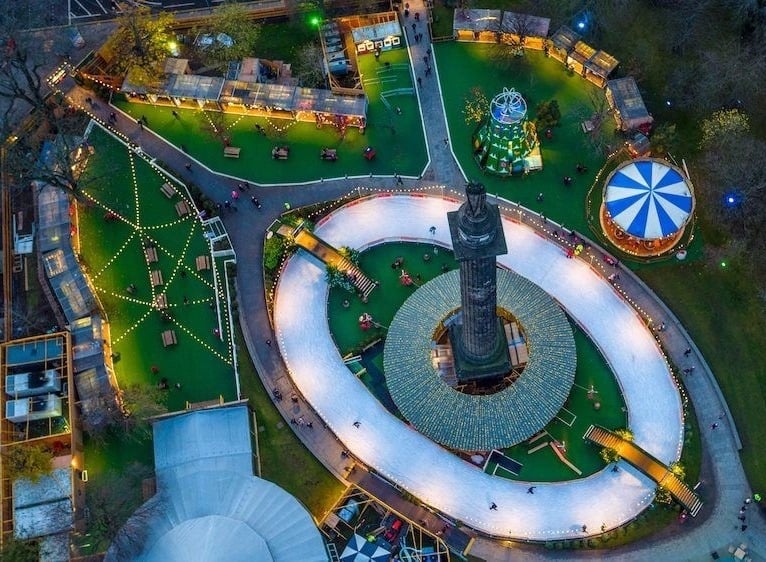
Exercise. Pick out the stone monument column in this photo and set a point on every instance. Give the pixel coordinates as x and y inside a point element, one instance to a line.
<point>479,345</point>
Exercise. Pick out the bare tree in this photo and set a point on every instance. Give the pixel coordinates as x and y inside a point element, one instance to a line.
<point>309,66</point>
<point>241,34</point>
<point>111,500</point>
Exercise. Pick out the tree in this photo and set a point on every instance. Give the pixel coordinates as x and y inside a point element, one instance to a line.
<point>16,550</point>
<point>139,402</point>
<point>232,20</point>
<point>214,124</point>
<point>112,497</point>
<point>141,44</point>
<point>309,66</point>
<point>548,114</point>
<point>609,455</point>
<point>22,85</point>
<point>725,126</point>
<point>663,139</point>
<point>26,461</point>
<point>350,254</point>
<point>273,250</point>
<point>476,106</point>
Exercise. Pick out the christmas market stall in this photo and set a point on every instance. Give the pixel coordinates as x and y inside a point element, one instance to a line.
<point>599,67</point>
<point>562,43</point>
<point>378,37</point>
<point>627,104</point>
<point>477,25</point>
<point>530,32</point>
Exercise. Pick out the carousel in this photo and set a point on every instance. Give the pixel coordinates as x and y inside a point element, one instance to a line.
<point>647,204</point>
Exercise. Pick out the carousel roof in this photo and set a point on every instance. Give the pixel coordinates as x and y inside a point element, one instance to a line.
<point>360,550</point>
<point>648,199</point>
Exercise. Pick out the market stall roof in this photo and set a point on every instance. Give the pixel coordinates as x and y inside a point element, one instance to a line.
<point>602,64</point>
<point>486,422</point>
<point>531,26</point>
<point>53,222</point>
<point>648,199</point>
<point>476,20</point>
<point>359,549</point>
<point>582,52</point>
<point>377,31</point>
<point>565,38</point>
<point>291,98</point>
<point>43,507</point>
<point>209,506</point>
<point>624,96</point>
<point>193,86</point>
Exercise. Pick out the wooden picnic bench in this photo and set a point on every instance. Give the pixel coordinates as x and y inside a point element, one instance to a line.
<point>231,151</point>
<point>168,190</point>
<point>182,208</point>
<point>203,262</point>
<point>151,254</point>
<point>161,301</point>
<point>169,338</point>
<point>156,277</point>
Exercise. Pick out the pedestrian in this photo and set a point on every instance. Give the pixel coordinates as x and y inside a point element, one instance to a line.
<point>414,25</point>
<point>268,342</point>
<point>254,199</point>
<point>420,81</point>
<point>155,369</point>
<point>540,197</point>
<point>493,506</point>
<point>175,114</point>
<point>217,332</point>
<point>241,186</point>
<point>714,426</point>
<point>531,489</point>
<point>188,166</point>
<point>178,385</point>
<point>425,59</point>
<point>428,71</point>
<point>584,528</point>
<point>399,180</point>
<point>428,52</point>
<point>687,352</point>
<point>310,425</point>
<point>417,16</point>
<point>234,194</point>
<point>144,119</point>
<point>227,204</point>
<point>141,125</point>
<point>748,501</point>
<point>186,300</point>
<point>446,142</point>
<point>357,424</point>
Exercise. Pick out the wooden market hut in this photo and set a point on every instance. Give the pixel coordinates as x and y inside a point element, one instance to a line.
<point>599,67</point>
<point>477,25</point>
<point>523,29</point>
<point>562,43</point>
<point>579,56</point>
<point>382,36</point>
<point>625,100</point>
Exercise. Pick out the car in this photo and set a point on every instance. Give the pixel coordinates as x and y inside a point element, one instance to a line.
<point>393,531</point>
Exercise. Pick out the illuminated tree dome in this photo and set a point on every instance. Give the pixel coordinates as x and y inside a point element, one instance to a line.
<point>507,141</point>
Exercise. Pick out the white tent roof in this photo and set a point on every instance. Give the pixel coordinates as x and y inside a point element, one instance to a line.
<point>423,468</point>
<point>209,506</point>
<point>359,549</point>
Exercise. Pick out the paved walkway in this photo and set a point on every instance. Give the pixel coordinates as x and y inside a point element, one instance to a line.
<point>725,488</point>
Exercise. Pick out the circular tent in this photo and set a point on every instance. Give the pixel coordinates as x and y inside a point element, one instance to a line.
<point>471,422</point>
<point>648,199</point>
<point>360,550</point>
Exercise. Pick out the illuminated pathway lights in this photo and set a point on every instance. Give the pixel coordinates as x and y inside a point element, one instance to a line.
<point>440,479</point>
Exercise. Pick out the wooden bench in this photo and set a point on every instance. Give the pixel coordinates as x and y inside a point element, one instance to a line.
<point>182,208</point>
<point>231,152</point>
<point>168,190</point>
<point>203,262</point>
<point>151,254</point>
<point>156,277</point>
<point>169,338</point>
<point>161,301</point>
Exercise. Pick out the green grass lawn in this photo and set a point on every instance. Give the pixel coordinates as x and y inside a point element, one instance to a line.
<point>397,139</point>
<point>463,66</point>
<point>386,300</point>
<point>113,254</point>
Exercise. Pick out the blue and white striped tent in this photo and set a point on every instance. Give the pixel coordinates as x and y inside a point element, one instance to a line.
<point>648,199</point>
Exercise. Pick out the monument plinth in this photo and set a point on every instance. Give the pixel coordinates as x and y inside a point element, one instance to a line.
<point>479,346</point>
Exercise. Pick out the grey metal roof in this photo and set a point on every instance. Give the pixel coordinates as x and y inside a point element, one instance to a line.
<point>477,20</point>
<point>480,423</point>
<point>209,506</point>
<point>565,38</point>
<point>627,100</point>
<point>43,507</point>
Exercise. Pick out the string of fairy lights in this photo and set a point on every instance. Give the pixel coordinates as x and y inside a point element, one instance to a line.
<point>141,230</point>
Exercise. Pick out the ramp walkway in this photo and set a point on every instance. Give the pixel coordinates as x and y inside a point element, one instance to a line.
<point>329,255</point>
<point>647,464</point>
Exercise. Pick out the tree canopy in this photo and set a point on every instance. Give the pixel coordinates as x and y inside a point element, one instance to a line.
<point>27,461</point>
<point>232,20</point>
<point>141,44</point>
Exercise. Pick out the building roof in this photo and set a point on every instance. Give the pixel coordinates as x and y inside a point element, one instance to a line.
<point>477,20</point>
<point>602,63</point>
<point>209,506</point>
<point>176,66</point>
<point>531,26</point>
<point>377,31</point>
<point>582,52</point>
<point>624,96</point>
<point>193,86</point>
<point>43,507</point>
<point>565,38</point>
<point>490,421</point>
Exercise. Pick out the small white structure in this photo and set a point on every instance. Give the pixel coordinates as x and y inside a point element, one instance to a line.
<point>209,506</point>
<point>33,408</point>
<point>33,384</point>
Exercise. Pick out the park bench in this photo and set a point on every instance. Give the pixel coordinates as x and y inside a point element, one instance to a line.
<point>156,277</point>
<point>203,262</point>
<point>161,301</point>
<point>151,254</point>
<point>168,190</point>
<point>231,152</point>
<point>182,208</point>
<point>169,338</point>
